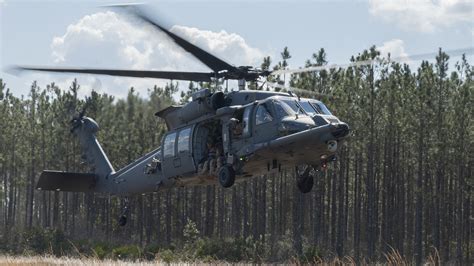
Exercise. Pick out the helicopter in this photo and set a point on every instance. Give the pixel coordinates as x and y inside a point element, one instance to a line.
<point>215,138</point>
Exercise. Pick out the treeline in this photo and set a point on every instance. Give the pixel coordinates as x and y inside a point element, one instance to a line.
<point>402,184</point>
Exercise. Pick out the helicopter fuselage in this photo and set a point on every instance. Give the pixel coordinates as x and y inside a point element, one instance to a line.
<point>251,132</point>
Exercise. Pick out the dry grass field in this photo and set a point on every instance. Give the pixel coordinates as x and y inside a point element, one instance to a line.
<point>66,261</point>
<point>51,260</point>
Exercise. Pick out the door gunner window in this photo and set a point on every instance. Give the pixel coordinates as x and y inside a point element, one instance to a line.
<point>168,149</point>
<point>183,140</point>
<point>262,115</point>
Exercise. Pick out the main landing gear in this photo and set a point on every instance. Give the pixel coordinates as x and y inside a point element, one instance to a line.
<point>226,176</point>
<point>305,177</point>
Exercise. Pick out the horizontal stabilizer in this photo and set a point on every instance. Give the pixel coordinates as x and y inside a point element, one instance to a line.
<point>65,181</point>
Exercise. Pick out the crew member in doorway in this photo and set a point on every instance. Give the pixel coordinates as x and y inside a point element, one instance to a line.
<point>206,165</point>
<point>236,126</point>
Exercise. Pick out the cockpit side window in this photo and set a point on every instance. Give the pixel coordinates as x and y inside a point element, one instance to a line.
<point>262,115</point>
<point>168,146</point>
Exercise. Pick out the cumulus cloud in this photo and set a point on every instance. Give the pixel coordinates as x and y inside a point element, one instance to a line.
<point>423,15</point>
<point>112,40</point>
<point>394,47</point>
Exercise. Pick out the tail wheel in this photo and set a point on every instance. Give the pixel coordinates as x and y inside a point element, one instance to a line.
<point>226,176</point>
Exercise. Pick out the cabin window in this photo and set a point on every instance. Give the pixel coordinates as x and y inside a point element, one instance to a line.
<point>183,140</point>
<point>262,115</point>
<point>168,149</point>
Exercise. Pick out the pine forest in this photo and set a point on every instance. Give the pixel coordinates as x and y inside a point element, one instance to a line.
<point>399,191</point>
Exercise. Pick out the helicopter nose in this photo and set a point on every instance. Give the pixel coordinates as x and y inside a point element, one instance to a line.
<point>340,130</point>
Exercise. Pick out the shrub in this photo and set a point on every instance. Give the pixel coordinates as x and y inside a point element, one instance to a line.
<point>129,252</point>
<point>229,249</point>
<point>58,242</point>
<point>311,254</point>
<point>35,240</point>
<point>101,249</point>
<point>151,251</point>
<point>167,256</point>
<point>190,233</point>
<point>282,249</point>
<point>46,241</point>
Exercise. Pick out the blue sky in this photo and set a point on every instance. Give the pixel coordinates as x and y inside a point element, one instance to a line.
<point>79,33</point>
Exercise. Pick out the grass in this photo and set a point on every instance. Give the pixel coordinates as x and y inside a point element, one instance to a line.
<point>51,260</point>
<point>391,259</point>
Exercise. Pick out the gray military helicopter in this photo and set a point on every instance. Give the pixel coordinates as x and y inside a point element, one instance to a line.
<point>215,138</point>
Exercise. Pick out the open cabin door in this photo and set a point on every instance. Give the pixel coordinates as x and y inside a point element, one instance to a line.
<point>177,153</point>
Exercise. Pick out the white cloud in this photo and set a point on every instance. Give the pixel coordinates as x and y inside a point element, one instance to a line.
<point>111,40</point>
<point>423,15</point>
<point>395,48</point>
<point>230,46</point>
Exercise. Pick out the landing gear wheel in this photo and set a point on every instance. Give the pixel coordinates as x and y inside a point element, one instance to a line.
<point>226,176</point>
<point>305,184</point>
<point>304,178</point>
<point>122,221</point>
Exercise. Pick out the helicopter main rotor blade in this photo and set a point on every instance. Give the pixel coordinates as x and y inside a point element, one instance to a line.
<point>213,62</point>
<point>456,52</point>
<point>294,89</point>
<point>175,75</point>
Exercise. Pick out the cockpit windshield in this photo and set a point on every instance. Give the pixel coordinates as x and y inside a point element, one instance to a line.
<point>285,108</point>
<point>289,107</point>
<point>282,109</point>
<point>314,107</point>
<point>296,108</point>
<point>307,108</point>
